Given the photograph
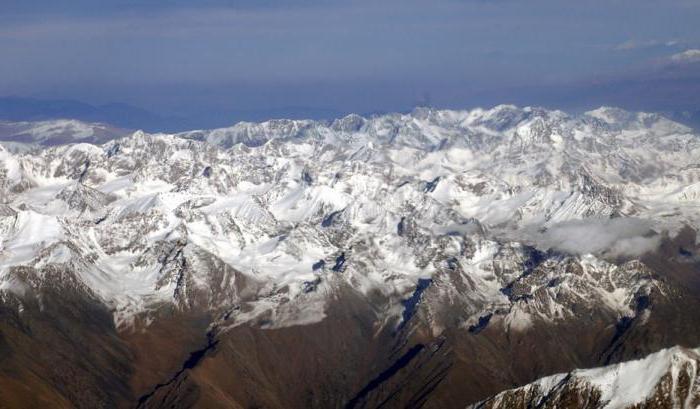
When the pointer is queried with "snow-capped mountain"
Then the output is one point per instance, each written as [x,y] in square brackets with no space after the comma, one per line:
[387,201]
[668,379]
[457,225]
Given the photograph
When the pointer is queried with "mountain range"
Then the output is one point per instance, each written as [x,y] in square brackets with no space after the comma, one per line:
[126,116]
[435,259]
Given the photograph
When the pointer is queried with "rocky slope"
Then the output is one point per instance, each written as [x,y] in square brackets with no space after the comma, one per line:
[666,379]
[392,260]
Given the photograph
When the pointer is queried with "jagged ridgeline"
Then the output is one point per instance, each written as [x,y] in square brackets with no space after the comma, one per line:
[432,259]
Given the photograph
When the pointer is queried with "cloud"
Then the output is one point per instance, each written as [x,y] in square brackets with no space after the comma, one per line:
[231,56]
[626,237]
[688,56]
[637,45]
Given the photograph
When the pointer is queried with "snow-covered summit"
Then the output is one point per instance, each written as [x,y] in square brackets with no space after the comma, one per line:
[426,127]
[669,378]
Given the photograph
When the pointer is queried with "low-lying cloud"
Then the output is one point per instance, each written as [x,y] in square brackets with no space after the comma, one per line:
[618,237]
[636,45]
[687,56]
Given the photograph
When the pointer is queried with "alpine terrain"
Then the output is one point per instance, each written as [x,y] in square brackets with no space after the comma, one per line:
[492,258]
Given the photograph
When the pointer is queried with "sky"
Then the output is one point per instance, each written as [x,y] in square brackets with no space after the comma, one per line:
[218,61]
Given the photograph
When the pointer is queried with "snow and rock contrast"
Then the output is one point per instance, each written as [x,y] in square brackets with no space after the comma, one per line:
[499,221]
[473,199]
[666,379]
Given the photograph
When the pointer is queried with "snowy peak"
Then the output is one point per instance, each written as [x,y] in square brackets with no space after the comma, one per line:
[612,115]
[253,134]
[423,128]
[526,128]
[619,120]
[667,379]
[82,198]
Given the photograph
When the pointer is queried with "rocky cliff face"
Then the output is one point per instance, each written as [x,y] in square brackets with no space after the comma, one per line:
[433,258]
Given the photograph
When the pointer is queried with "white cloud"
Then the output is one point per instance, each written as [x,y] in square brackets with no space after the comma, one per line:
[687,56]
[636,44]
[616,237]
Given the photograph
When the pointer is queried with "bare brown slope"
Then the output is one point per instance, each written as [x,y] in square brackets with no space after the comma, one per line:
[61,348]
[64,349]
[347,361]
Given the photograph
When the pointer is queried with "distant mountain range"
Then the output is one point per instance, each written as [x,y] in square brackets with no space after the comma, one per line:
[690,118]
[23,135]
[128,116]
[125,116]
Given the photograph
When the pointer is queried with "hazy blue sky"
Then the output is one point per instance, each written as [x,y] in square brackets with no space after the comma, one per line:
[211,59]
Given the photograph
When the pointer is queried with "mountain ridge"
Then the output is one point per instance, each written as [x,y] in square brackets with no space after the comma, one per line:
[668,378]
